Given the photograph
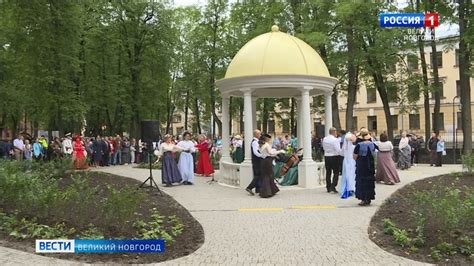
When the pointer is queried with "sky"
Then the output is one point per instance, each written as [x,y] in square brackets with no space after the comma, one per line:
[442,31]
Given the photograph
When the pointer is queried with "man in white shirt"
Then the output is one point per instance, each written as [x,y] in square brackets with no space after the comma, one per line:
[257,157]
[67,146]
[332,151]
[18,148]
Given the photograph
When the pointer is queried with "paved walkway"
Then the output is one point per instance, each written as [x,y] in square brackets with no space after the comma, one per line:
[297,226]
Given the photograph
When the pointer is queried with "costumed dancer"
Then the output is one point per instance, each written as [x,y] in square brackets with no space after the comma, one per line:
[365,169]
[268,187]
[257,159]
[186,162]
[169,171]
[348,167]
[79,154]
[386,170]
[238,154]
[405,152]
[204,166]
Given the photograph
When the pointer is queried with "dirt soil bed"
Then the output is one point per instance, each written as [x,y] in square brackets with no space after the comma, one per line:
[189,241]
[399,207]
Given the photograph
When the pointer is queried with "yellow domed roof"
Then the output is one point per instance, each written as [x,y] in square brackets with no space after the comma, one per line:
[276,53]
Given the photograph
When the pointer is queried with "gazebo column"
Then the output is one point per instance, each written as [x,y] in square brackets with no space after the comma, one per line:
[327,113]
[307,167]
[299,123]
[246,171]
[225,130]
[254,110]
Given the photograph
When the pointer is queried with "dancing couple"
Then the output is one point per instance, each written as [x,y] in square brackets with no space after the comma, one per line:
[262,164]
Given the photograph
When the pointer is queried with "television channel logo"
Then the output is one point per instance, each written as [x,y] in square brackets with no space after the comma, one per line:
[55,246]
[411,20]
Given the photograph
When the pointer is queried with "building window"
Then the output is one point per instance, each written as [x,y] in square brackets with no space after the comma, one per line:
[439,58]
[459,120]
[179,130]
[271,126]
[456,58]
[458,88]
[414,120]
[371,95]
[372,123]
[177,119]
[395,121]
[441,120]
[412,62]
[285,124]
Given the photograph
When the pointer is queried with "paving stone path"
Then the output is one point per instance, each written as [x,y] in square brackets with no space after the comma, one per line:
[296,227]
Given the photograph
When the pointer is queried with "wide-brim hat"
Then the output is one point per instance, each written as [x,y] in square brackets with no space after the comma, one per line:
[367,137]
[238,137]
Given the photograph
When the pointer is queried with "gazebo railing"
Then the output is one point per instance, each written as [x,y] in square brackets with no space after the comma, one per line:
[229,174]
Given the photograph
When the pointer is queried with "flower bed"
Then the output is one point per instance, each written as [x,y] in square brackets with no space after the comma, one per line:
[47,201]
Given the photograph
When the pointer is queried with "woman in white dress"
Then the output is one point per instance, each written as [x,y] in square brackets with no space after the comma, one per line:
[186,162]
[348,167]
[268,187]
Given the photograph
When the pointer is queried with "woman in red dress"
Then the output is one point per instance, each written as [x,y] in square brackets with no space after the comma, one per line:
[79,154]
[204,166]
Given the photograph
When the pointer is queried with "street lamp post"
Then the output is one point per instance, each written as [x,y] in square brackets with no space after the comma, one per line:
[454,129]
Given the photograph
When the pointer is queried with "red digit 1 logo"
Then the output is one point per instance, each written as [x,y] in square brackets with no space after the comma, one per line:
[431,20]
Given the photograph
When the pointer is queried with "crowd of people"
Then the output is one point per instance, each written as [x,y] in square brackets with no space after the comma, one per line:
[358,158]
[194,154]
[362,160]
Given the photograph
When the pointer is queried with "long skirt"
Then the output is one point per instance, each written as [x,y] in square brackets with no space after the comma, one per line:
[204,166]
[386,171]
[348,186]
[365,188]
[404,158]
[169,170]
[185,166]
[238,155]
[268,187]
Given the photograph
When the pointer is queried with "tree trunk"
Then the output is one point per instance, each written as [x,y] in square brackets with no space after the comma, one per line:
[241,117]
[198,117]
[381,88]
[352,79]
[465,13]
[292,117]
[186,107]
[265,115]
[230,116]
[436,85]
[336,121]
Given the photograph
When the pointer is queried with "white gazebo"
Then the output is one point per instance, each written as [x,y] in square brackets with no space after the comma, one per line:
[274,65]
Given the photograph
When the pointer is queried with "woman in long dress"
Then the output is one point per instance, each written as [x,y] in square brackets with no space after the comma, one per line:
[185,164]
[348,167]
[365,170]
[204,166]
[386,171]
[238,155]
[268,187]
[79,154]
[169,170]
[405,152]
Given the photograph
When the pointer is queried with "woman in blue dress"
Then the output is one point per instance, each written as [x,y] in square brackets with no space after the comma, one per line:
[365,169]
